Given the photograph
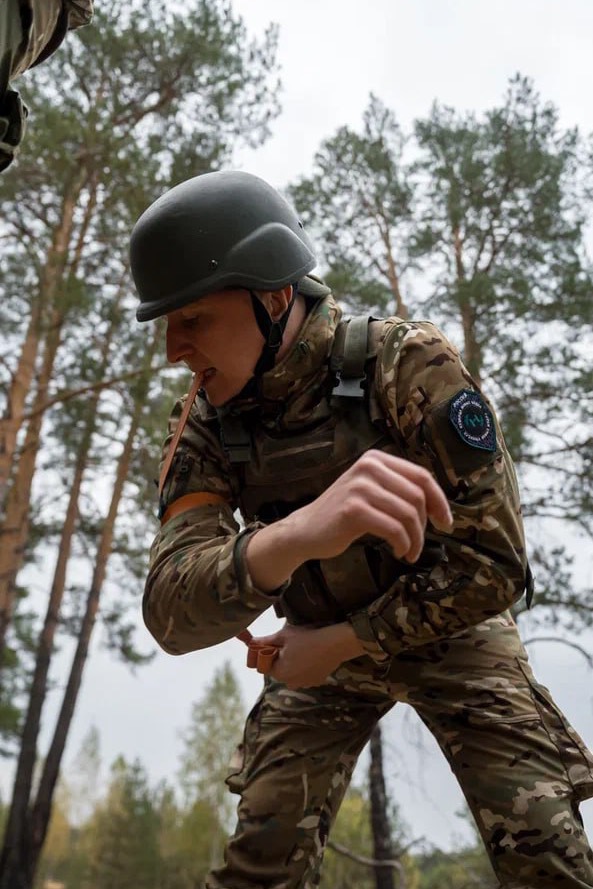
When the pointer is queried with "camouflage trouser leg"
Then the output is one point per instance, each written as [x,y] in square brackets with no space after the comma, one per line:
[12,110]
[522,768]
[299,751]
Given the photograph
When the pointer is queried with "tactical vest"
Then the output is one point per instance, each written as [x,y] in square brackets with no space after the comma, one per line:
[278,472]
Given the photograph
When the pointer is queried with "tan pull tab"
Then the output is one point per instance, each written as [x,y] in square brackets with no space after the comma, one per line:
[190,501]
[191,397]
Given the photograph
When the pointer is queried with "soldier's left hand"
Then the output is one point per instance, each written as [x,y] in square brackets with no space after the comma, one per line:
[307,656]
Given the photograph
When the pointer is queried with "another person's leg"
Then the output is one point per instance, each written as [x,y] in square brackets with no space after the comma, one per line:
[13,38]
[299,751]
[522,767]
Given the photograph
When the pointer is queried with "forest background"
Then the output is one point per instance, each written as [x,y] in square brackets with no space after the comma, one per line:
[472,212]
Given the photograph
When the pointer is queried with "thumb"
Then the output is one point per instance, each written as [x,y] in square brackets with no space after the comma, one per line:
[272,639]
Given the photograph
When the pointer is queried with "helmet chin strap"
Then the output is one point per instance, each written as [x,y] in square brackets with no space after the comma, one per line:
[272,332]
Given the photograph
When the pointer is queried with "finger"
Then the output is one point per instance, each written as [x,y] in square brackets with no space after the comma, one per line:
[382,525]
[276,639]
[399,485]
[437,505]
[266,656]
[375,510]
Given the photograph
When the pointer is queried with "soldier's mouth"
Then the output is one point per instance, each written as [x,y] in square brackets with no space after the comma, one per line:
[208,374]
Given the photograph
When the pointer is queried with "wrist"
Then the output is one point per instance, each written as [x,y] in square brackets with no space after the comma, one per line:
[272,554]
[343,641]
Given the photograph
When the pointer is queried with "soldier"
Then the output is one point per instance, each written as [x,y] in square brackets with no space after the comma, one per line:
[30,31]
[382,520]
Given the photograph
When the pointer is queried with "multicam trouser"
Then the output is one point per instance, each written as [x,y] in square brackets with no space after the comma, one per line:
[13,113]
[30,31]
[522,768]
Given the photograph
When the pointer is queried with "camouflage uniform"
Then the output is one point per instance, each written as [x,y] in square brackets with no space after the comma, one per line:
[30,31]
[440,639]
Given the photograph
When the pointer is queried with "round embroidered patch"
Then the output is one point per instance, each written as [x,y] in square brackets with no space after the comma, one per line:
[472,420]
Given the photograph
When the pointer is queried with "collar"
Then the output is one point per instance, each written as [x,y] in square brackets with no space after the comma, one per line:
[307,359]
[289,392]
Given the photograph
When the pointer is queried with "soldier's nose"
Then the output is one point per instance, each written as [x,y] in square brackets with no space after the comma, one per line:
[177,349]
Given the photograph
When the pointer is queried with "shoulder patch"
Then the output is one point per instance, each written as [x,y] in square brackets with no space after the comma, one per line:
[472,420]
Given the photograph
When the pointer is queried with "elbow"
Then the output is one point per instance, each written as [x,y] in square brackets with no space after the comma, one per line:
[514,581]
[162,634]
[176,631]
[160,627]
[523,585]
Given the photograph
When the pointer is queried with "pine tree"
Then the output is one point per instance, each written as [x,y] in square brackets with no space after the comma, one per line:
[360,205]
[209,741]
[145,96]
[126,848]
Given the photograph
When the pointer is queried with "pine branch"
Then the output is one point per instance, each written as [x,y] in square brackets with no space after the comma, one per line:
[393,863]
[588,657]
[93,387]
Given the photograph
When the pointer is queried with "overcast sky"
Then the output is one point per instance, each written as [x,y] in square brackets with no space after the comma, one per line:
[333,54]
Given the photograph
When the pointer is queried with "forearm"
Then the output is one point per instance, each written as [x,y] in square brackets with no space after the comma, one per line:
[274,552]
[343,642]
[198,591]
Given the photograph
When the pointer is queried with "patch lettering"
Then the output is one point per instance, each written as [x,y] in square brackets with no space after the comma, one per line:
[472,420]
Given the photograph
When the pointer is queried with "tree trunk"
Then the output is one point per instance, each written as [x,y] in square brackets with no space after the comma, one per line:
[36,826]
[381,828]
[472,354]
[18,814]
[20,385]
[52,276]
[14,532]
[401,309]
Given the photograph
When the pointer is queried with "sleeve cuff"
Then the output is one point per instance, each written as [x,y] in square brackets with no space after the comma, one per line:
[248,593]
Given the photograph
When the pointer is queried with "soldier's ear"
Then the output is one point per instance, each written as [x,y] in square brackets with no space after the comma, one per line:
[278,302]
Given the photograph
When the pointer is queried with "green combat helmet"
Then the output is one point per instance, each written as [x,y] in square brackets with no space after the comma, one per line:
[216,231]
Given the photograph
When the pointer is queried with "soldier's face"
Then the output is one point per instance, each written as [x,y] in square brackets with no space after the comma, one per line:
[218,337]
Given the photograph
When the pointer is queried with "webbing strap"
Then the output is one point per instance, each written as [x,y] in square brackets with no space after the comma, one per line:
[355,347]
[190,501]
[349,362]
[191,397]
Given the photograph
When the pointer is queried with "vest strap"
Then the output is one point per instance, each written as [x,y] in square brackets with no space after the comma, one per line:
[191,397]
[349,362]
[190,501]
[234,437]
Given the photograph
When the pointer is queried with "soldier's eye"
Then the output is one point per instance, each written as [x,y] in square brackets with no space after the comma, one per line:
[188,323]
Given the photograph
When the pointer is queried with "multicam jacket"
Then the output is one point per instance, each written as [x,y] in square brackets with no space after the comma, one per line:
[199,591]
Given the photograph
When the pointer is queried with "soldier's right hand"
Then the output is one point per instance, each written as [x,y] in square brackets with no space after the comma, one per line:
[380,494]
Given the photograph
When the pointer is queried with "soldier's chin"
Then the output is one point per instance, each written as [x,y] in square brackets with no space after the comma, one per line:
[222,391]
[217,394]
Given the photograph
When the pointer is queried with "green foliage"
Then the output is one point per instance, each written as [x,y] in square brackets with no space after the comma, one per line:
[188,838]
[125,829]
[16,676]
[214,731]
[465,869]
[359,202]
[136,835]
[352,830]
[352,833]
[147,95]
